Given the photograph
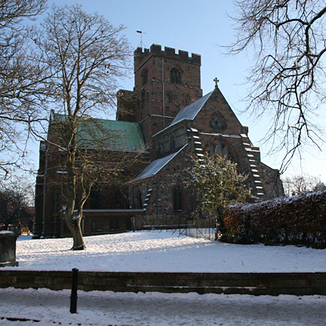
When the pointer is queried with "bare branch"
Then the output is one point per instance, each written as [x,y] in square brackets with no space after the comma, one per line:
[19,78]
[75,48]
[286,76]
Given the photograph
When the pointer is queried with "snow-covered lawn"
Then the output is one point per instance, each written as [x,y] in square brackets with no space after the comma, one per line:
[161,251]
[165,252]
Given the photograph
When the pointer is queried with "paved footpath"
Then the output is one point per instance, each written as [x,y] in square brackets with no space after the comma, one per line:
[45,307]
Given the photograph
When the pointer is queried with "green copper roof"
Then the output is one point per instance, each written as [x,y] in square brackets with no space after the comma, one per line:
[110,134]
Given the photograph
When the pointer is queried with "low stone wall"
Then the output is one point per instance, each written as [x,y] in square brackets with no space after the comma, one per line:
[227,283]
[158,222]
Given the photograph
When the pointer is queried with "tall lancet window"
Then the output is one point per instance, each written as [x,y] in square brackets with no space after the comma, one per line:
[175,76]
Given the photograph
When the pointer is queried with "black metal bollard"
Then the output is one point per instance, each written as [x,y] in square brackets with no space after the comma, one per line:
[73,296]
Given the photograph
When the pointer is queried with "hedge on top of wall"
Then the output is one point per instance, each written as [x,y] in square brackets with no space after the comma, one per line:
[299,220]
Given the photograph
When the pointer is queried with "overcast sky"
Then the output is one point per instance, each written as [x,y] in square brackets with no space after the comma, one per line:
[201,27]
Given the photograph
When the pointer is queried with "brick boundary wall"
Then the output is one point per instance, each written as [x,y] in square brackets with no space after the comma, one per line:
[227,283]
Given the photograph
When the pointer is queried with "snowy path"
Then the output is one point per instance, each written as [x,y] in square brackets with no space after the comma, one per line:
[152,309]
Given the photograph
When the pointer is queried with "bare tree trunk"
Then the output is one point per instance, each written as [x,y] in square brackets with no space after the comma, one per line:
[73,222]
[74,225]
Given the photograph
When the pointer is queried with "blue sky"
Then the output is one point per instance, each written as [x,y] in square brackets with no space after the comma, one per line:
[201,27]
[186,25]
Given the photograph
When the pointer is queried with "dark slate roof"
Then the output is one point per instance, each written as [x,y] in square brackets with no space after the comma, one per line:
[110,134]
[156,166]
[190,112]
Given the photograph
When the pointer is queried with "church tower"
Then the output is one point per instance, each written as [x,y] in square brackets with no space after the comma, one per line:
[165,82]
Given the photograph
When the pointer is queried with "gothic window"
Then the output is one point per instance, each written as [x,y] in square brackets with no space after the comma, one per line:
[165,143]
[172,143]
[142,98]
[212,150]
[170,97]
[218,122]
[225,151]
[94,226]
[219,149]
[114,224]
[124,200]
[147,97]
[139,200]
[177,199]
[157,149]
[144,76]
[175,76]
[187,100]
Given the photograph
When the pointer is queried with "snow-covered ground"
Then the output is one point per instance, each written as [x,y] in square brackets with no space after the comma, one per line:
[161,251]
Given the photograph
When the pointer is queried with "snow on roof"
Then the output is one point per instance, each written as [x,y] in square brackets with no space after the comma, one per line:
[189,112]
[156,166]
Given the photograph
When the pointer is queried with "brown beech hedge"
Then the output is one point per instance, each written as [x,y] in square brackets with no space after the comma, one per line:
[299,220]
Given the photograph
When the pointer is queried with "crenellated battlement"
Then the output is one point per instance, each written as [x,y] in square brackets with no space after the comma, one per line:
[168,52]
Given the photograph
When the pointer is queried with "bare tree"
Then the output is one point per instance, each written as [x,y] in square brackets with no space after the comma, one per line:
[15,199]
[287,38]
[84,55]
[299,184]
[19,77]
[320,186]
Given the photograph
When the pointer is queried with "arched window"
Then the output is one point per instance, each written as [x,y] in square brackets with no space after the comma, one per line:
[212,150]
[219,149]
[139,200]
[172,143]
[175,76]
[170,97]
[142,98]
[157,149]
[218,122]
[177,199]
[144,76]
[147,97]
[225,151]
[187,100]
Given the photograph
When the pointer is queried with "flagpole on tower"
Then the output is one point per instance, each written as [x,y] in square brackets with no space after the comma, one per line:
[141,38]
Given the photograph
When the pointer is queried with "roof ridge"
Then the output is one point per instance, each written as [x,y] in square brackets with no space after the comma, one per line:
[97,119]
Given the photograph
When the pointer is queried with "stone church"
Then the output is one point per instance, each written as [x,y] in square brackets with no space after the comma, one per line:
[170,118]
